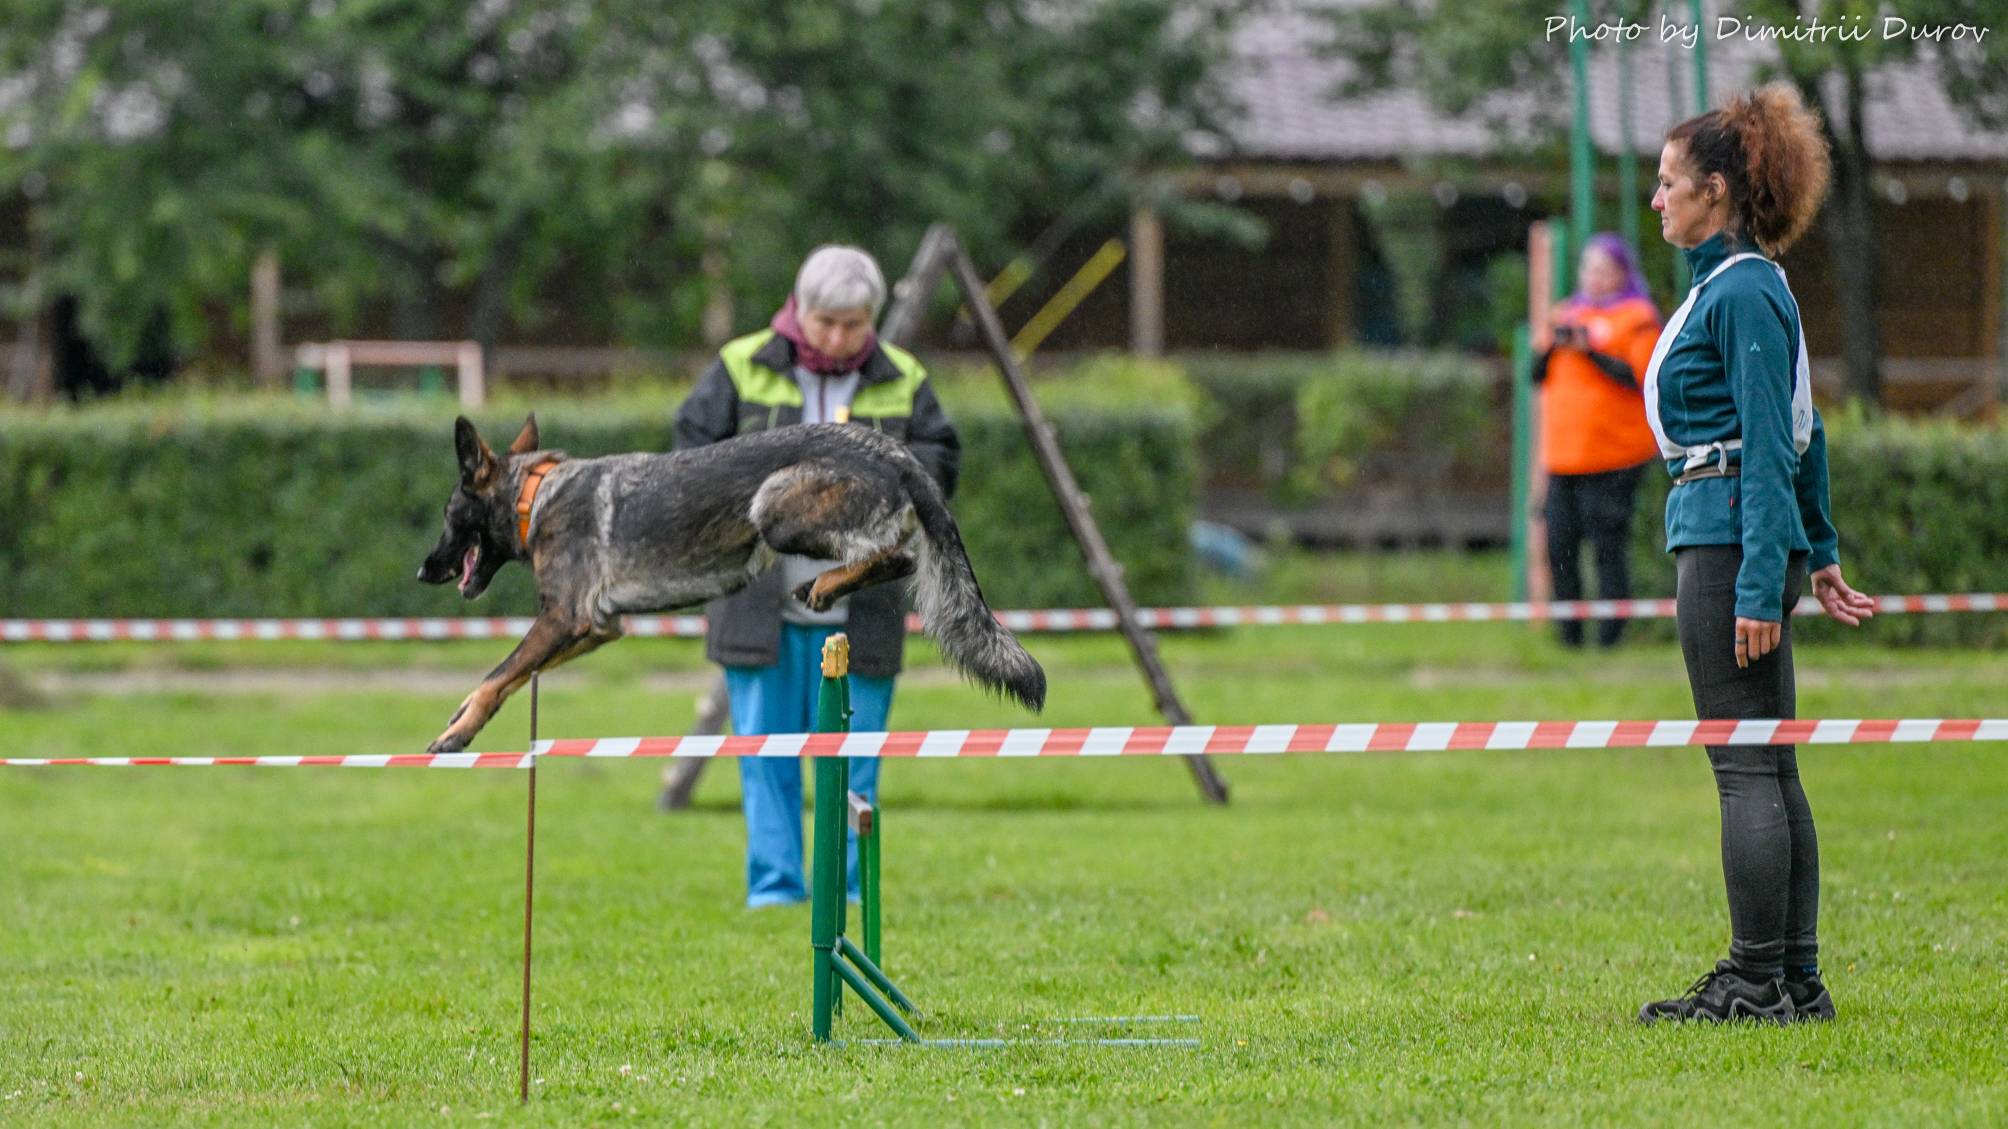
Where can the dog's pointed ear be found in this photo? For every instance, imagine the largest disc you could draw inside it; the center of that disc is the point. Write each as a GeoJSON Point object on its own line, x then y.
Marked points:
{"type": "Point", "coordinates": [476, 460]}
{"type": "Point", "coordinates": [526, 439]}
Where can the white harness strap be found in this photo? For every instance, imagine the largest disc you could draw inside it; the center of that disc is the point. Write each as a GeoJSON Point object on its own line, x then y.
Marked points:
{"type": "Point", "coordinates": [1802, 382]}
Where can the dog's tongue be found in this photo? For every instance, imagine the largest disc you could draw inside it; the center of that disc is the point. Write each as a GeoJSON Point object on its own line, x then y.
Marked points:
{"type": "Point", "coordinates": [467, 567]}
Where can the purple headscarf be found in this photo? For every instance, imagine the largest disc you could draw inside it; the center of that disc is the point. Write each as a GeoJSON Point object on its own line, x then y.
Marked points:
{"type": "Point", "coordinates": [1614, 247]}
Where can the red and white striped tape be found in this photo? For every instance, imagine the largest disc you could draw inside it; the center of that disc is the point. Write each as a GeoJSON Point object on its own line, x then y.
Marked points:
{"type": "Point", "coordinates": [389, 760]}
{"type": "Point", "coordinates": [1233, 740]}
{"type": "Point", "coordinates": [1182, 740]}
{"type": "Point", "coordinates": [1033, 621]}
{"type": "Point", "coordinates": [273, 630]}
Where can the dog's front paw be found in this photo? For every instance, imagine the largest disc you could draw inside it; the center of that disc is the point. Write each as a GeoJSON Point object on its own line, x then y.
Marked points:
{"type": "Point", "coordinates": [449, 742]}
{"type": "Point", "coordinates": [806, 593]}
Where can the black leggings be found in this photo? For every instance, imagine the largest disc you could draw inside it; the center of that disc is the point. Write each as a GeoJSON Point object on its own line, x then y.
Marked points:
{"type": "Point", "coordinates": [1596, 508]}
{"type": "Point", "coordinates": [1770, 854]}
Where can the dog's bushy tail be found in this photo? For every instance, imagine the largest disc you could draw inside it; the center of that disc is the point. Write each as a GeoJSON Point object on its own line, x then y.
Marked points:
{"type": "Point", "coordinates": [952, 609]}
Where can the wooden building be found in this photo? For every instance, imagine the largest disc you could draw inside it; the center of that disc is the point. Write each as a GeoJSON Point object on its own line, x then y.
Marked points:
{"type": "Point", "coordinates": [1320, 170]}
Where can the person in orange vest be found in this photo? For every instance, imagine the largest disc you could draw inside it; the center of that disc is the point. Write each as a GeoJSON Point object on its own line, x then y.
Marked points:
{"type": "Point", "coordinates": [1595, 440]}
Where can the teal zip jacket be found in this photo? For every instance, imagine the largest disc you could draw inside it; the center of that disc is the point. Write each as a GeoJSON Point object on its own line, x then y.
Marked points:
{"type": "Point", "coordinates": [1728, 374]}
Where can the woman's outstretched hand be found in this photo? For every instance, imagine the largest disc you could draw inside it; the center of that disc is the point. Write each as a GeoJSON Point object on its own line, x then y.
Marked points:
{"type": "Point", "coordinates": [1840, 601]}
{"type": "Point", "coordinates": [1756, 638]}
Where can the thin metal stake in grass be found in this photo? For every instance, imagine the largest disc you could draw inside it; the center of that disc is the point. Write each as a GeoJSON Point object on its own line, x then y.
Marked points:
{"type": "Point", "coordinates": [529, 892]}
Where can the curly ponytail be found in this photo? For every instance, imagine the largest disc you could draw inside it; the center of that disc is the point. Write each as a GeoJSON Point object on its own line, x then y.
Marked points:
{"type": "Point", "coordinates": [1769, 148]}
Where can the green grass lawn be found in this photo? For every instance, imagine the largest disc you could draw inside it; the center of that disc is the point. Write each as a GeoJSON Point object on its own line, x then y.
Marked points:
{"type": "Point", "coordinates": [1455, 937]}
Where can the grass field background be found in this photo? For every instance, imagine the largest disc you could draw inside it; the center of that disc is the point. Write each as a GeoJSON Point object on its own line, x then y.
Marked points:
{"type": "Point", "coordinates": [1454, 937]}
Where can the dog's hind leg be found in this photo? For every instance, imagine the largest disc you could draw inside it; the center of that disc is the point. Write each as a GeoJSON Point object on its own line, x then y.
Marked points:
{"type": "Point", "coordinates": [812, 510]}
{"type": "Point", "coordinates": [846, 579]}
{"type": "Point", "coordinates": [892, 564]}
{"type": "Point", "coordinates": [551, 641]}
{"type": "Point", "coordinates": [860, 518]}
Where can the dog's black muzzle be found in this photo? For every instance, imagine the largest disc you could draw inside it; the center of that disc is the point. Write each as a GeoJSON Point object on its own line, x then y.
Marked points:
{"type": "Point", "coordinates": [441, 565]}
{"type": "Point", "coordinates": [473, 565]}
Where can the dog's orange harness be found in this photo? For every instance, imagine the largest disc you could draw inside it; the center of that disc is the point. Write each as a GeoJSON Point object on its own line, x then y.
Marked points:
{"type": "Point", "coordinates": [527, 497]}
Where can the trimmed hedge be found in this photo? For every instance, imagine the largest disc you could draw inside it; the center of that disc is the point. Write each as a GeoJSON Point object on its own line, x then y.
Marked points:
{"type": "Point", "coordinates": [1921, 507]}
{"type": "Point", "coordinates": [1301, 425]}
{"type": "Point", "coordinates": [1128, 431]}
{"type": "Point", "coordinates": [274, 507]}
{"type": "Point", "coordinates": [1431, 413]}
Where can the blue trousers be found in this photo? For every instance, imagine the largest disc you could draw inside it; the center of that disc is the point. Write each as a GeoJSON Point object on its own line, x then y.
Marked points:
{"type": "Point", "coordinates": [782, 699]}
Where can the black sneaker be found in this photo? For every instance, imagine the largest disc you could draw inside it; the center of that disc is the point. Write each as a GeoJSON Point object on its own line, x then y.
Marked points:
{"type": "Point", "coordinates": [1724, 996]}
{"type": "Point", "coordinates": [1810, 999]}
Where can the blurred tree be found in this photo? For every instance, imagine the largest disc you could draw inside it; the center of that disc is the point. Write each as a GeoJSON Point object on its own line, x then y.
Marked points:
{"type": "Point", "coordinates": [452, 159]}
{"type": "Point", "coordinates": [1459, 61]}
{"type": "Point", "coordinates": [863, 121]}
{"type": "Point", "coordinates": [389, 151]}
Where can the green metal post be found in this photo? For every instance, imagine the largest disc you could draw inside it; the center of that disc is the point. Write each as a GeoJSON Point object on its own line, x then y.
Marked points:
{"type": "Point", "coordinates": [1564, 274]}
{"type": "Point", "coordinates": [868, 886]}
{"type": "Point", "coordinates": [826, 879]}
{"type": "Point", "coordinates": [839, 877]}
{"type": "Point", "coordinates": [1627, 152]}
{"type": "Point", "coordinates": [1523, 406]}
{"type": "Point", "coordinates": [1700, 56]}
{"type": "Point", "coordinates": [836, 962]}
{"type": "Point", "coordinates": [1673, 106]}
{"type": "Point", "coordinates": [1582, 160]}
{"type": "Point", "coordinates": [1700, 107]}
{"type": "Point", "coordinates": [864, 828]}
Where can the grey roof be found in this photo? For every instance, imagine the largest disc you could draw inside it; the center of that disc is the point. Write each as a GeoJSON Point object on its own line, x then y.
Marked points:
{"type": "Point", "coordinates": [1286, 88]}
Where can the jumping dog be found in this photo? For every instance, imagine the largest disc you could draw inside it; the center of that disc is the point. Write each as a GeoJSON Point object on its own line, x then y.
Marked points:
{"type": "Point", "coordinates": [639, 533]}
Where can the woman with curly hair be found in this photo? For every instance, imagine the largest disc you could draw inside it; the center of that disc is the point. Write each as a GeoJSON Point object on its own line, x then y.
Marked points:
{"type": "Point", "coordinates": [1729, 397]}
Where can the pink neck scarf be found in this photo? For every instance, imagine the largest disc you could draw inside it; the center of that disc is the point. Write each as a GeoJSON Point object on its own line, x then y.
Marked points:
{"type": "Point", "coordinates": [788, 325]}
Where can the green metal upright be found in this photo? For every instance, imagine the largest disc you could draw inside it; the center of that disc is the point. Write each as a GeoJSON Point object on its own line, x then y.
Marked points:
{"type": "Point", "coordinates": [1698, 18]}
{"type": "Point", "coordinates": [826, 897]}
{"type": "Point", "coordinates": [1627, 152]}
{"type": "Point", "coordinates": [864, 824]}
{"type": "Point", "coordinates": [1700, 56]}
{"type": "Point", "coordinates": [1680, 279]}
{"type": "Point", "coordinates": [835, 961]}
{"type": "Point", "coordinates": [1564, 274]}
{"type": "Point", "coordinates": [1523, 437]}
{"type": "Point", "coordinates": [1582, 158]}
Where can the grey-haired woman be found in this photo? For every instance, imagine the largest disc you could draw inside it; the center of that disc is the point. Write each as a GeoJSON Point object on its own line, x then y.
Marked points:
{"type": "Point", "coordinates": [818, 361]}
